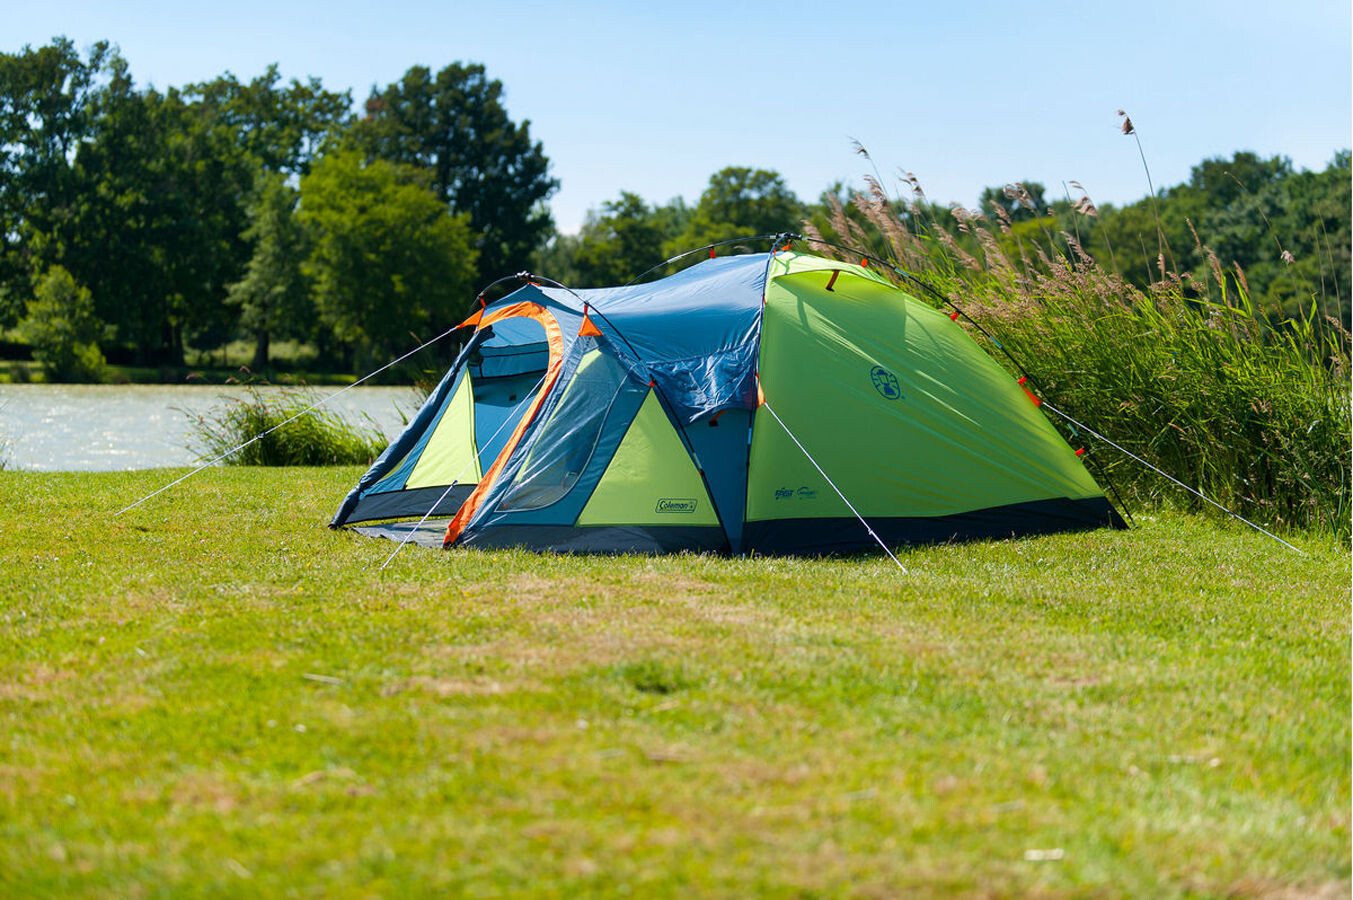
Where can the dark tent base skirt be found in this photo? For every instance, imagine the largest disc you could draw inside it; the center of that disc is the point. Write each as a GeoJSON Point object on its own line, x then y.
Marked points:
{"type": "Point", "coordinates": [780, 537]}
{"type": "Point", "coordinates": [601, 538]}
{"type": "Point", "coordinates": [823, 537]}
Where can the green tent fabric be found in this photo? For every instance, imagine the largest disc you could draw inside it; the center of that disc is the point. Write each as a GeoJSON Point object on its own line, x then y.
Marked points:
{"type": "Point", "coordinates": [728, 408]}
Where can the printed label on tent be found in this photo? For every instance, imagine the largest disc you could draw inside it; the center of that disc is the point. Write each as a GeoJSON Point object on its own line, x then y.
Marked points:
{"type": "Point", "coordinates": [886, 383]}
{"type": "Point", "coordinates": [801, 493]}
{"type": "Point", "coordinates": [675, 505]}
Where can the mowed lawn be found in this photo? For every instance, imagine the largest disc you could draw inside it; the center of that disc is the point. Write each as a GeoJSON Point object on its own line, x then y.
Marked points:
{"type": "Point", "coordinates": [213, 694]}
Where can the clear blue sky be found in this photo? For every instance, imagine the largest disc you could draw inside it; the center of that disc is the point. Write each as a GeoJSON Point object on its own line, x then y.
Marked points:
{"type": "Point", "coordinates": [655, 97]}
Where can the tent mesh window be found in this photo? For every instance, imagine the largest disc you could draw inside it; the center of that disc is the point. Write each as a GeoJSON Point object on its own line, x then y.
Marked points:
{"type": "Point", "coordinates": [562, 450]}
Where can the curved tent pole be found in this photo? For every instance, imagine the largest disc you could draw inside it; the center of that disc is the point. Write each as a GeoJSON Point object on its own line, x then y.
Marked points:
{"type": "Point", "coordinates": [455, 481]}
{"type": "Point", "coordinates": [652, 383]}
{"type": "Point", "coordinates": [525, 276]}
{"type": "Point", "coordinates": [958, 311]}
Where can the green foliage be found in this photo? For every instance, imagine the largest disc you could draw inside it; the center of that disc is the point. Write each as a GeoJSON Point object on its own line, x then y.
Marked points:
{"type": "Point", "coordinates": [142, 195]}
{"type": "Point", "coordinates": [1281, 236]}
{"type": "Point", "coordinates": [739, 202]}
{"type": "Point", "coordinates": [283, 128]}
{"type": "Point", "coordinates": [273, 297]}
{"type": "Point", "coordinates": [316, 438]}
{"type": "Point", "coordinates": [389, 263]}
{"type": "Point", "coordinates": [1019, 202]}
{"type": "Point", "coordinates": [47, 111]}
{"type": "Point", "coordinates": [484, 165]}
{"type": "Point", "coordinates": [63, 329]}
{"type": "Point", "coordinates": [623, 240]}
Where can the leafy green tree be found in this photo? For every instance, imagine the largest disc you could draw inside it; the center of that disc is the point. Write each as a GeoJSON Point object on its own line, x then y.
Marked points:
{"type": "Point", "coordinates": [389, 263]}
{"type": "Point", "coordinates": [282, 127]}
{"type": "Point", "coordinates": [47, 99]}
{"type": "Point", "coordinates": [1224, 181]}
{"type": "Point", "coordinates": [739, 202]}
{"type": "Point", "coordinates": [481, 163]}
{"type": "Point", "coordinates": [157, 231]}
{"type": "Point", "coordinates": [273, 297]}
{"type": "Point", "coordinates": [625, 239]}
{"type": "Point", "coordinates": [63, 330]}
{"type": "Point", "coordinates": [1254, 224]}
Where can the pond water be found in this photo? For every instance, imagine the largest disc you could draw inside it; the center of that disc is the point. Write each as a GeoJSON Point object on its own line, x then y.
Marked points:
{"type": "Point", "coordinates": [103, 428]}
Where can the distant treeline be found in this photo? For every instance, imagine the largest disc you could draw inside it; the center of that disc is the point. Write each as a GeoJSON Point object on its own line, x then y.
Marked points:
{"type": "Point", "coordinates": [1280, 236]}
{"type": "Point", "coordinates": [137, 223]}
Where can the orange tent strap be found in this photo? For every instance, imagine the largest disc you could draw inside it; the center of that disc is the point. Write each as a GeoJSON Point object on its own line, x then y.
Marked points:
{"type": "Point", "coordinates": [760, 396]}
{"type": "Point", "coordinates": [555, 340]}
{"type": "Point", "coordinates": [588, 329]}
{"type": "Point", "coordinates": [473, 320]}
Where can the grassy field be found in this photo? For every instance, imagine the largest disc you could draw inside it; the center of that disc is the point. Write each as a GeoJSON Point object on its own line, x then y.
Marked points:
{"type": "Point", "coordinates": [214, 694]}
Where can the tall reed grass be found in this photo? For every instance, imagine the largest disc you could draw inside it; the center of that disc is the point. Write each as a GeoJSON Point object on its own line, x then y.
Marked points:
{"type": "Point", "coordinates": [1186, 374]}
{"type": "Point", "coordinates": [318, 438]}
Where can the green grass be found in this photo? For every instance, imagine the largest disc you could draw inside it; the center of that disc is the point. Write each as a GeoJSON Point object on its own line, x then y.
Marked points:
{"type": "Point", "coordinates": [214, 694]}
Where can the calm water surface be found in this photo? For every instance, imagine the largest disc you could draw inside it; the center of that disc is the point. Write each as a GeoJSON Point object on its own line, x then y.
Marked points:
{"type": "Point", "coordinates": [103, 428]}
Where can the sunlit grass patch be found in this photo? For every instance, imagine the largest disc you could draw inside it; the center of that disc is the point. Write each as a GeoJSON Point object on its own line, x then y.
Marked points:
{"type": "Point", "coordinates": [215, 693]}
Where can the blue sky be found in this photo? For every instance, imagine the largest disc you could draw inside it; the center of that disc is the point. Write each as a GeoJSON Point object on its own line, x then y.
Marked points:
{"type": "Point", "coordinates": [654, 98]}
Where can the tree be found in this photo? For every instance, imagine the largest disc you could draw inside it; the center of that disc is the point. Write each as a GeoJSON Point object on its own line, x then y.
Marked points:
{"type": "Point", "coordinates": [273, 296]}
{"type": "Point", "coordinates": [625, 239]}
{"type": "Point", "coordinates": [1223, 181]}
{"type": "Point", "coordinates": [156, 232]}
{"type": "Point", "coordinates": [481, 163]}
{"type": "Point", "coordinates": [47, 97]}
{"type": "Point", "coordinates": [283, 128]}
{"type": "Point", "coordinates": [739, 202]}
{"type": "Point", "coordinates": [63, 330]}
{"type": "Point", "coordinates": [389, 262]}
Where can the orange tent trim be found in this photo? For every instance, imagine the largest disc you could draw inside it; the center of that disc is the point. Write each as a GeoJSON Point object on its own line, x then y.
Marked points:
{"type": "Point", "coordinates": [555, 338]}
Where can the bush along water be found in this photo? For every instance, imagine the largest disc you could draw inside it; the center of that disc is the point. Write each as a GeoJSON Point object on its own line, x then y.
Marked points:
{"type": "Point", "coordinates": [319, 437]}
{"type": "Point", "coordinates": [1185, 373]}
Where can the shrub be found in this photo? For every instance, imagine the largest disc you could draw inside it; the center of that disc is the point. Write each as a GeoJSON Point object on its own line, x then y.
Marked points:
{"type": "Point", "coordinates": [63, 329]}
{"type": "Point", "coordinates": [319, 437]}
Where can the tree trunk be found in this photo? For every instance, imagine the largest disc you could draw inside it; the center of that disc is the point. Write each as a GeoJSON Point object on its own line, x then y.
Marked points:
{"type": "Point", "coordinates": [261, 341]}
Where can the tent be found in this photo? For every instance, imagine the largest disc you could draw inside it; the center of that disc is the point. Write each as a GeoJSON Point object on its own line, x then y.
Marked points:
{"type": "Point", "coordinates": [776, 403]}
